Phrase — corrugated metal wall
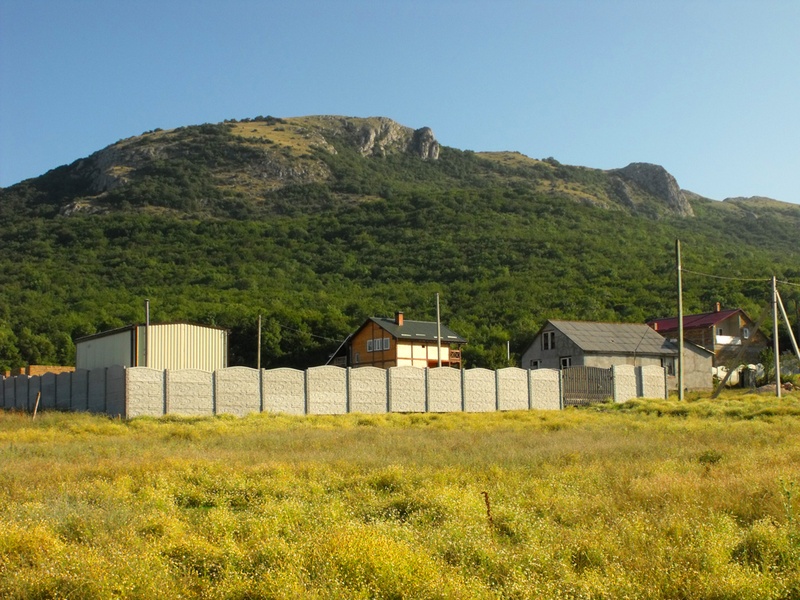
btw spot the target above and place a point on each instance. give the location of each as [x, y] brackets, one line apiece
[182, 346]
[104, 351]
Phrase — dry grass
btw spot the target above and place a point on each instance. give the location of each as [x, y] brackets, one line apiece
[650, 499]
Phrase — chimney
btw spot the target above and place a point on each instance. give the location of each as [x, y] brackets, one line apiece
[398, 318]
[717, 307]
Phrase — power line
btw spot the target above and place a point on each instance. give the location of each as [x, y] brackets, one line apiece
[321, 337]
[726, 278]
[740, 278]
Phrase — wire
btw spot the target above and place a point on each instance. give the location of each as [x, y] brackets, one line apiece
[781, 281]
[721, 277]
[321, 337]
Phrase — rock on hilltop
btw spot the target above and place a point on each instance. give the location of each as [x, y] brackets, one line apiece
[657, 181]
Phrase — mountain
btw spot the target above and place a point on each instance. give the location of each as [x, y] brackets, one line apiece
[318, 222]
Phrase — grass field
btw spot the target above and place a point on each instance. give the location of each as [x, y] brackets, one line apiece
[648, 499]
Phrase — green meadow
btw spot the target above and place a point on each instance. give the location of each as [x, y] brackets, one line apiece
[648, 499]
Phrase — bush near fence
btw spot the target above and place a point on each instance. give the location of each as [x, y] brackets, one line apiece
[139, 391]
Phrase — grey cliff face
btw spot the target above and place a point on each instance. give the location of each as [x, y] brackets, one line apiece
[424, 144]
[382, 136]
[657, 181]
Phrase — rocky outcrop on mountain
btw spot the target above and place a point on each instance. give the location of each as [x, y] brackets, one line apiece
[109, 168]
[656, 180]
[379, 136]
[424, 144]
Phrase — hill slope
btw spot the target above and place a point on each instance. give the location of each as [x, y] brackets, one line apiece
[318, 222]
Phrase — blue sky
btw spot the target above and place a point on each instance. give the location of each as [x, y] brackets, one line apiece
[708, 89]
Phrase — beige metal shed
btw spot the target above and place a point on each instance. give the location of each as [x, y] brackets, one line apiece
[161, 346]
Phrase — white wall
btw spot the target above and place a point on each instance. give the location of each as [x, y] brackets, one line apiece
[140, 391]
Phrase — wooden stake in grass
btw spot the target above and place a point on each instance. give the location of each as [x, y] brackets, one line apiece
[36, 406]
[488, 509]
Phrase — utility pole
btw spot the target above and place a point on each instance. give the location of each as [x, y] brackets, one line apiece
[775, 345]
[258, 359]
[438, 332]
[146, 332]
[680, 319]
[788, 324]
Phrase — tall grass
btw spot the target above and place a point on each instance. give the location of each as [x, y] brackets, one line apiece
[648, 499]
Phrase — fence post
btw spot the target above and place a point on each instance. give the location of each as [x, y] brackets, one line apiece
[305, 392]
[463, 392]
[347, 400]
[427, 391]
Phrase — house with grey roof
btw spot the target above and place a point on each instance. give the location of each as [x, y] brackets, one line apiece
[398, 342]
[563, 344]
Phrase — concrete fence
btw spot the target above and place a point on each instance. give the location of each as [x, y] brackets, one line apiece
[139, 391]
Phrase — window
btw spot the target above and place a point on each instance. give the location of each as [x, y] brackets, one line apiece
[719, 331]
[356, 359]
[548, 340]
[669, 365]
[746, 332]
[378, 344]
[566, 362]
[535, 364]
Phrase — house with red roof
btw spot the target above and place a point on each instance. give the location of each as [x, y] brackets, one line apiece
[724, 332]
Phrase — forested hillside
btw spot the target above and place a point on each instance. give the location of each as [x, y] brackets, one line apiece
[318, 223]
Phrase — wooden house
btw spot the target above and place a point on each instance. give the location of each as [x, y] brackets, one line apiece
[399, 342]
[723, 332]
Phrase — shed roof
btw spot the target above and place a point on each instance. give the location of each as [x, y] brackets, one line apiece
[133, 326]
[615, 338]
[418, 330]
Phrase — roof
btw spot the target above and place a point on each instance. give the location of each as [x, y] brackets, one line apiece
[702, 321]
[133, 326]
[615, 338]
[418, 330]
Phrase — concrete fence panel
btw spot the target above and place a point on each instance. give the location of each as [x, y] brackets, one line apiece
[237, 391]
[512, 389]
[444, 389]
[115, 391]
[284, 391]
[480, 390]
[368, 390]
[545, 389]
[3, 393]
[327, 390]
[80, 390]
[10, 393]
[625, 382]
[22, 392]
[48, 391]
[34, 387]
[96, 401]
[145, 392]
[189, 392]
[406, 389]
[654, 382]
[63, 391]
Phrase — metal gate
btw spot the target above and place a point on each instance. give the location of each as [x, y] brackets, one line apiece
[584, 385]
